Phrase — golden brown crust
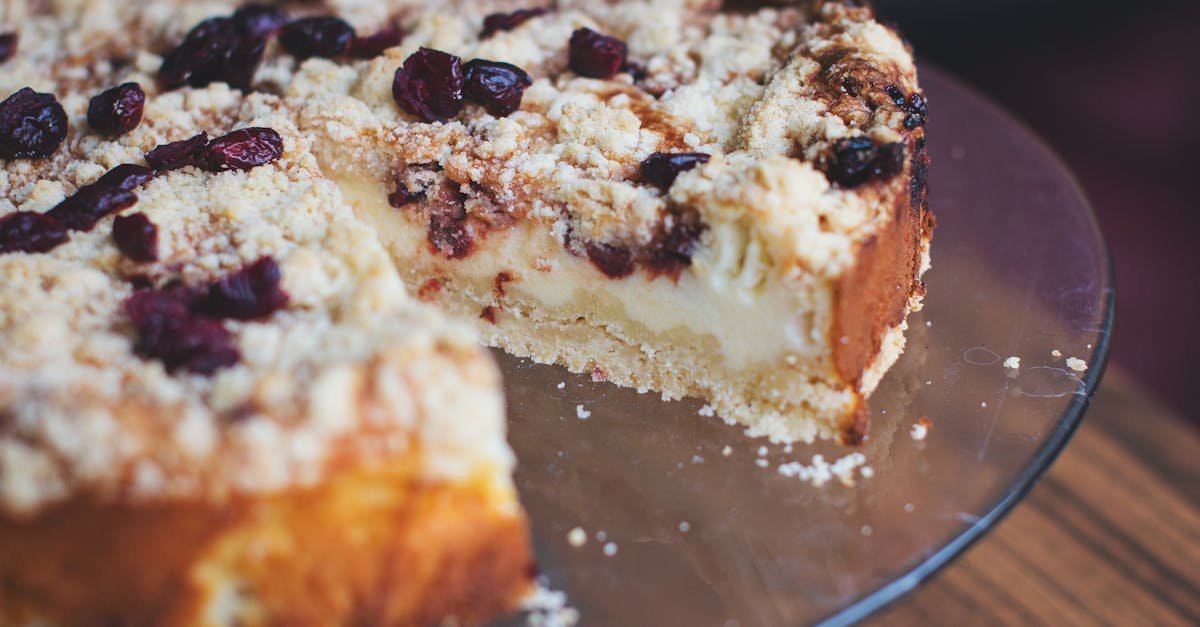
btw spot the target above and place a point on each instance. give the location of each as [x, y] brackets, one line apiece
[372, 548]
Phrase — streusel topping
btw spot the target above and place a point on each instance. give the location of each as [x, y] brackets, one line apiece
[350, 371]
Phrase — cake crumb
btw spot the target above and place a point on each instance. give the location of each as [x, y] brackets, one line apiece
[561, 385]
[610, 549]
[577, 537]
[1077, 364]
[707, 411]
[1013, 362]
[983, 403]
[908, 507]
[867, 472]
[1057, 354]
[761, 463]
[929, 323]
[787, 448]
[727, 451]
[548, 608]
[820, 472]
[918, 432]
[762, 451]
[696, 459]
[582, 413]
[685, 526]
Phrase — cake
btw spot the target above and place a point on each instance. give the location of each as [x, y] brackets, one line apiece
[249, 254]
[733, 208]
[294, 439]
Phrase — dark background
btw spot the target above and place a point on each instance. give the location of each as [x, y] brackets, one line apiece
[1114, 87]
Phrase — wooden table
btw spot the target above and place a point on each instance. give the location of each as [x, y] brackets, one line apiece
[1110, 536]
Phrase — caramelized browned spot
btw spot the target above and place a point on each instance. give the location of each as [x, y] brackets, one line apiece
[488, 313]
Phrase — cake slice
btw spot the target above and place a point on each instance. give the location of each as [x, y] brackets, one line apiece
[218, 405]
[679, 197]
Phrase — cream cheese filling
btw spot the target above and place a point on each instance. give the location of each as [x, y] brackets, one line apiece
[747, 323]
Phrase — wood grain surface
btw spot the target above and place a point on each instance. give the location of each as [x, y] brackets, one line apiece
[1111, 536]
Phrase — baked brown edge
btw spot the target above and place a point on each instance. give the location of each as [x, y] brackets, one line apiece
[874, 295]
[418, 554]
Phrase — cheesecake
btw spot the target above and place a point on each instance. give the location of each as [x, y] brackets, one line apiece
[220, 406]
[698, 202]
[249, 254]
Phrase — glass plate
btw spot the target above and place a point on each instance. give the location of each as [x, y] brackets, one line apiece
[704, 538]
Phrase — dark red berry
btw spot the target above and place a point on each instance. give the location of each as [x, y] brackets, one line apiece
[672, 248]
[447, 233]
[507, 21]
[136, 237]
[110, 193]
[243, 149]
[317, 36]
[403, 197]
[8, 46]
[175, 155]
[661, 168]
[32, 125]
[375, 44]
[250, 293]
[430, 85]
[594, 55]
[856, 160]
[613, 260]
[168, 331]
[30, 232]
[260, 20]
[495, 85]
[126, 176]
[118, 110]
[914, 105]
[217, 49]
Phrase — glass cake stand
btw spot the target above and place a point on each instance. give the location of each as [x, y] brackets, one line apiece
[701, 537]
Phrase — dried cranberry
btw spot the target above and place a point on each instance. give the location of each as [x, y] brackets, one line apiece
[594, 55]
[914, 105]
[316, 36]
[430, 85]
[8, 46]
[661, 168]
[250, 293]
[507, 21]
[136, 237]
[614, 261]
[495, 85]
[857, 160]
[243, 149]
[32, 125]
[175, 155]
[110, 193]
[373, 45]
[126, 176]
[403, 197]
[217, 49]
[259, 20]
[673, 247]
[168, 331]
[30, 232]
[118, 110]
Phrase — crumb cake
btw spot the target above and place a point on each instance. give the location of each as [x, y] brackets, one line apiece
[325, 448]
[249, 251]
[733, 208]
